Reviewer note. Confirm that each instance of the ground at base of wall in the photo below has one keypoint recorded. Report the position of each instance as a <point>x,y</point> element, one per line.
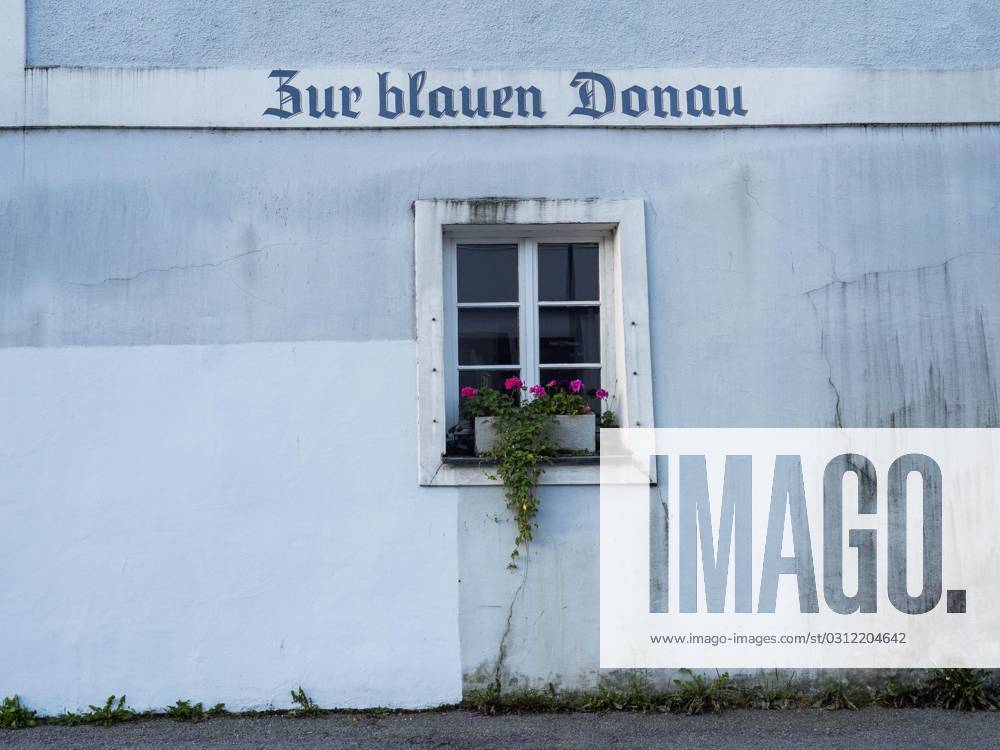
<point>870,728</point>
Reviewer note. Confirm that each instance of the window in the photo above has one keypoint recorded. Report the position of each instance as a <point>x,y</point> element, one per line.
<point>526,302</point>
<point>541,289</point>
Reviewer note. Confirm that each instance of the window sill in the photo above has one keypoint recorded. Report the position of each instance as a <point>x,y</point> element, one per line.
<point>557,462</point>
<point>472,471</point>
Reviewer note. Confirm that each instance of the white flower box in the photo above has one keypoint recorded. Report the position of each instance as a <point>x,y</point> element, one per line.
<point>575,432</point>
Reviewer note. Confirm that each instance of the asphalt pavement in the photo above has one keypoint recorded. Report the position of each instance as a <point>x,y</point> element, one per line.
<point>869,728</point>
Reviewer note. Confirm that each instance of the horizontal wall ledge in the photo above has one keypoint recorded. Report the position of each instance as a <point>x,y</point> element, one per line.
<point>302,97</point>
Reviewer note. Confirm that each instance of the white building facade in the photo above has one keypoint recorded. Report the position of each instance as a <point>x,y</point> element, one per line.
<point>234,315</point>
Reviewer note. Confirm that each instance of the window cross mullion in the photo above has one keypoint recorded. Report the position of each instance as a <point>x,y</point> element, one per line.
<point>529,310</point>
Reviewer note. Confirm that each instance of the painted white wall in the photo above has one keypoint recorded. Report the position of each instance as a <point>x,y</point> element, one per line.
<point>223,523</point>
<point>459,33</point>
<point>153,285</point>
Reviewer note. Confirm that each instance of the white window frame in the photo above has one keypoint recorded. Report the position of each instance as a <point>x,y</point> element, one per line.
<point>617,224</point>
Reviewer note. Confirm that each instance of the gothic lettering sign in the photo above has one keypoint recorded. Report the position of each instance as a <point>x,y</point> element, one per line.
<point>280,95</point>
<point>417,97</point>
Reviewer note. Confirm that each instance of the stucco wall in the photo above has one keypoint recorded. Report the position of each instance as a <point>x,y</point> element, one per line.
<point>208,391</point>
<point>211,522</point>
<point>460,33</point>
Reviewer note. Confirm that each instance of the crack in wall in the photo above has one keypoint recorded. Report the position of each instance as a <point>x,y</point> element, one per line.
<point>838,412</point>
<point>171,269</point>
<point>745,176</point>
<point>502,651</point>
<point>873,275</point>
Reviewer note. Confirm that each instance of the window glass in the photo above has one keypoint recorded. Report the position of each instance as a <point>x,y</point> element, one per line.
<point>569,335</point>
<point>479,378</point>
<point>562,308</point>
<point>568,272</point>
<point>487,336</point>
<point>487,273</point>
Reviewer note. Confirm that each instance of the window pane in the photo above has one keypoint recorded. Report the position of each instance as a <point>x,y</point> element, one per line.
<point>487,273</point>
<point>487,336</point>
<point>569,334</point>
<point>568,272</point>
<point>591,381</point>
<point>479,378</point>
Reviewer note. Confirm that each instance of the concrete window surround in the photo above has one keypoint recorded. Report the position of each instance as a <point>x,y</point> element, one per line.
<point>625,317</point>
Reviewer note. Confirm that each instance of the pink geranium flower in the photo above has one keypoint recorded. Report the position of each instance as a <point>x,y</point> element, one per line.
<point>468,392</point>
<point>513,383</point>
<point>552,384</point>
<point>576,385</point>
<point>536,390</point>
<point>601,393</point>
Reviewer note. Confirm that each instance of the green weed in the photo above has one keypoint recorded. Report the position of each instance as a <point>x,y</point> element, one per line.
<point>13,715</point>
<point>697,695</point>
<point>110,713</point>
<point>194,712</point>
<point>961,689</point>
<point>837,695</point>
<point>306,708</point>
<point>899,693</point>
<point>635,695</point>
